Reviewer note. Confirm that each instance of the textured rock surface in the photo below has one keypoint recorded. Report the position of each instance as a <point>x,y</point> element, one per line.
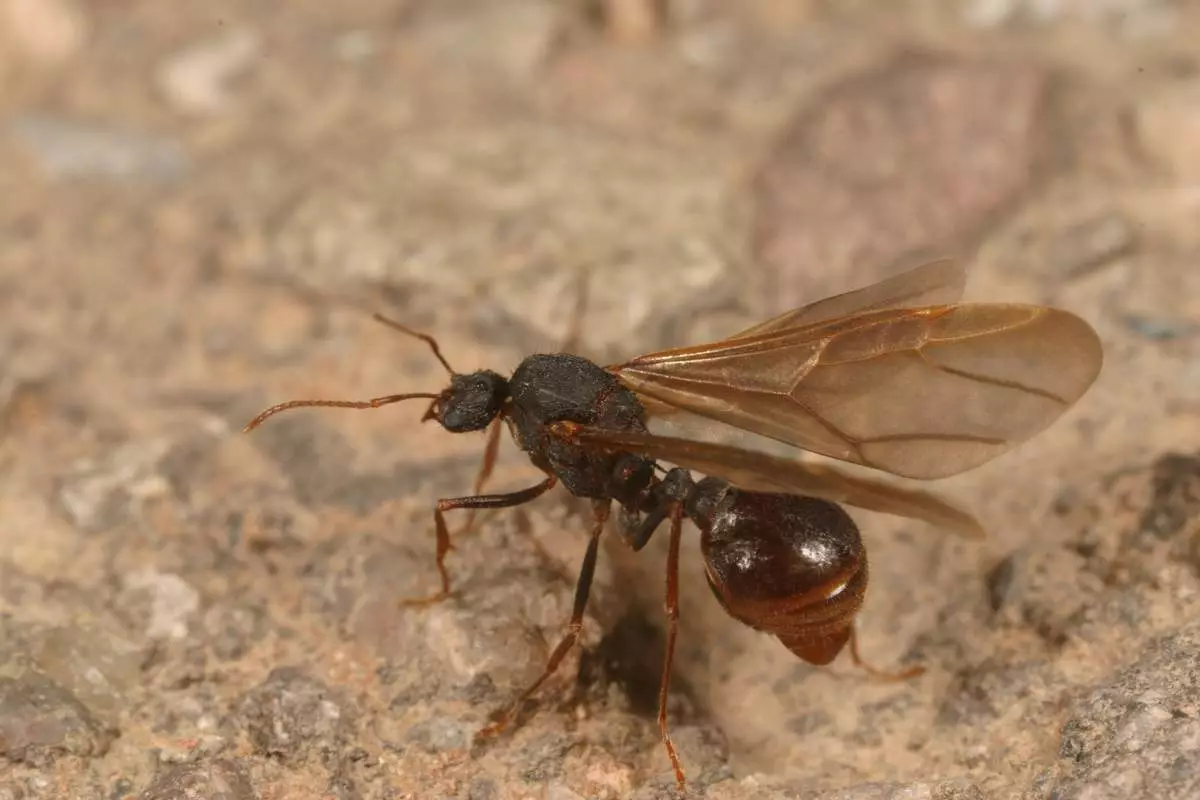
<point>202,204</point>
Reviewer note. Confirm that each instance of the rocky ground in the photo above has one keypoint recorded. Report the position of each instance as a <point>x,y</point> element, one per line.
<point>202,204</point>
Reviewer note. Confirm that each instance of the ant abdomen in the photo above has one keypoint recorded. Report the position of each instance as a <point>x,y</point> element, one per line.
<point>787,565</point>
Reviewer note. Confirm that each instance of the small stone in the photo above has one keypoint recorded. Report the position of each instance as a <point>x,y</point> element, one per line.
<point>197,80</point>
<point>223,779</point>
<point>40,719</point>
<point>80,150</point>
<point>291,715</point>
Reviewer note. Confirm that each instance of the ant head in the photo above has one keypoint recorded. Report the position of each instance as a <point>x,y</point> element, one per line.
<point>471,402</point>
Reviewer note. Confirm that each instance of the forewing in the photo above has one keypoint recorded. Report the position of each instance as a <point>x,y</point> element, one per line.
<point>755,471</point>
<point>933,283</point>
<point>923,393</point>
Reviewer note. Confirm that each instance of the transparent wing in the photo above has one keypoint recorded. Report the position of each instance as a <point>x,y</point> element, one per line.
<point>761,472</point>
<point>919,392</point>
<point>933,283</point>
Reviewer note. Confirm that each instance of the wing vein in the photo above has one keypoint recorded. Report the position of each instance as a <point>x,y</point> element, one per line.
<point>992,381</point>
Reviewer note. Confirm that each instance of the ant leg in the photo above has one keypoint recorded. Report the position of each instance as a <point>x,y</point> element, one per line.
<point>443,533</point>
<point>485,469</point>
<point>636,530</point>
<point>600,512</point>
<point>879,674</point>
<point>672,607</point>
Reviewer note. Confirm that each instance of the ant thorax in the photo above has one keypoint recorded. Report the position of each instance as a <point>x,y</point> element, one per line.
<point>568,388</point>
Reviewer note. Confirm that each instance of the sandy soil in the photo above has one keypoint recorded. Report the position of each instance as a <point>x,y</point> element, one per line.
<point>202,205</point>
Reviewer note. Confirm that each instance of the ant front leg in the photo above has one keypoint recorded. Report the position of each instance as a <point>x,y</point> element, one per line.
<point>879,674</point>
<point>473,502</point>
<point>485,469</point>
<point>600,512</point>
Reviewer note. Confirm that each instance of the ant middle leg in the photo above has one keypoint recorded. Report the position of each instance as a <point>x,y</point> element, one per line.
<point>874,672</point>
<point>600,512</point>
<point>444,545</point>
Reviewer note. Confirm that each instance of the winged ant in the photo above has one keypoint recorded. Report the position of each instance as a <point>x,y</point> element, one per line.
<point>900,377</point>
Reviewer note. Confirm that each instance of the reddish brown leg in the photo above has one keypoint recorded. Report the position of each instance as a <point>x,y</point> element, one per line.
<point>485,469</point>
<point>879,674</point>
<point>672,606</point>
<point>600,511</point>
<point>443,533</point>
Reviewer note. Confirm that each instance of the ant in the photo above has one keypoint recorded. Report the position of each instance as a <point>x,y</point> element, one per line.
<point>899,376</point>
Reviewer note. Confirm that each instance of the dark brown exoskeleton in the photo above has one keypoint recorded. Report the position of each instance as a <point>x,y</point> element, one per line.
<point>900,377</point>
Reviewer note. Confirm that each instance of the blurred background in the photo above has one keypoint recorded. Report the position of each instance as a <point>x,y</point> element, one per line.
<point>201,204</point>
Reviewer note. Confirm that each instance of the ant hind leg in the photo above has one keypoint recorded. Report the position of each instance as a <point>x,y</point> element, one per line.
<point>879,674</point>
<point>672,608</point>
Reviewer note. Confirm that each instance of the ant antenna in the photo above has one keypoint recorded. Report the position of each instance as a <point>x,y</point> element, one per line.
<point>424,337</point>
<point>372,403</point>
